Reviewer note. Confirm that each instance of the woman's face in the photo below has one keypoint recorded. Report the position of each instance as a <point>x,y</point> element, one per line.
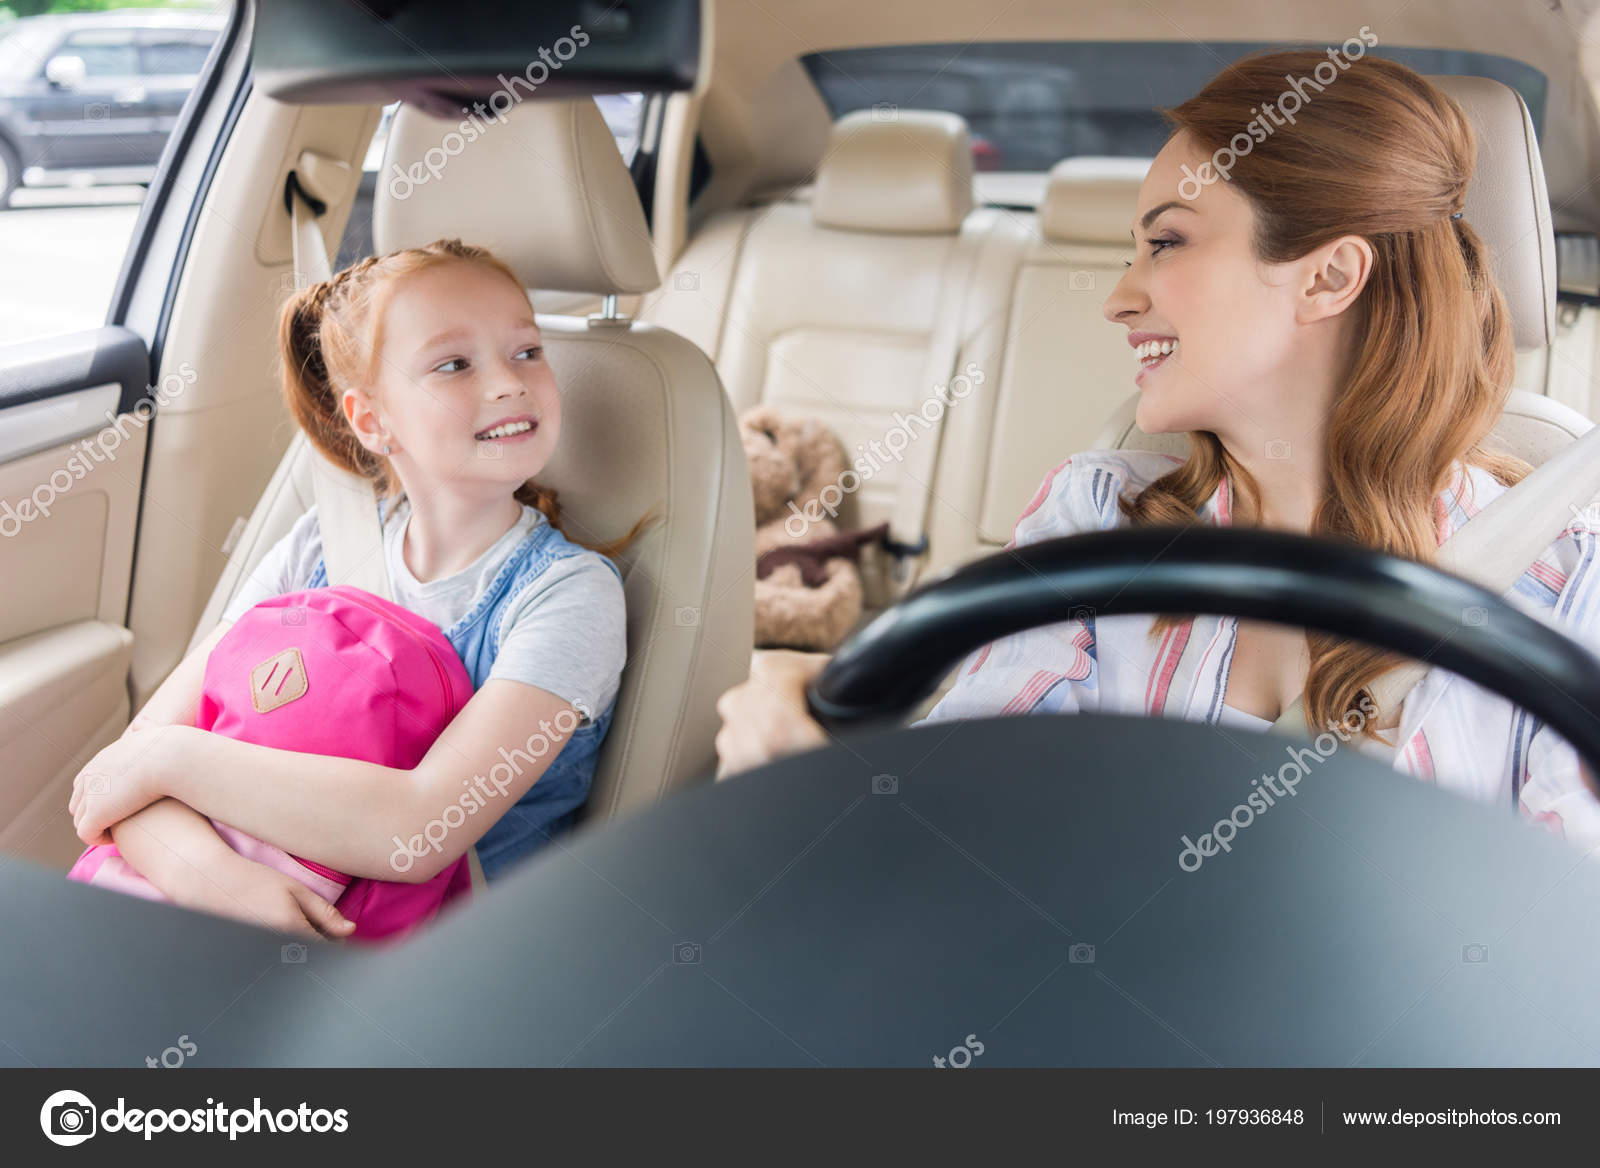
<point>459,352</point>
<point>1196,283</point>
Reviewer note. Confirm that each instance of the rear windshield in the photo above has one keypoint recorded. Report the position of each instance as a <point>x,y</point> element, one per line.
<point>1031,104</point>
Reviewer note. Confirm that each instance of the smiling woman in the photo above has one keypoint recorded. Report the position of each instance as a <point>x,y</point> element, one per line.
<point>1324,327</point>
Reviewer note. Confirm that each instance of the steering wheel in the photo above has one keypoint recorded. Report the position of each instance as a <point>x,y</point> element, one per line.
<point>1334,587</point>
<point>1090,889</point>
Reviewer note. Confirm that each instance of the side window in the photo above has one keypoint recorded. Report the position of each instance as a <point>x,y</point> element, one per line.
<point>108,53</point>
<point>169,55</point>
<point>90,99</point>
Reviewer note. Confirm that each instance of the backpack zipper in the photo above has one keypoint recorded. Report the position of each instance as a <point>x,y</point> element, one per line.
<point>433,658</point>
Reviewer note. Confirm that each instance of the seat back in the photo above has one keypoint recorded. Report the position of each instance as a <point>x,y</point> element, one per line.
<point>645,425</point>
<point>825,305</point>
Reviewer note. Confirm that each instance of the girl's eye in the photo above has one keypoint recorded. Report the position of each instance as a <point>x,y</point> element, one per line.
<point>445,366</point>
<point>536,350</point>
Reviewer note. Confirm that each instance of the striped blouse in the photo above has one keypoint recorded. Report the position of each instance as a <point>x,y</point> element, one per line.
<point>1452,733</point>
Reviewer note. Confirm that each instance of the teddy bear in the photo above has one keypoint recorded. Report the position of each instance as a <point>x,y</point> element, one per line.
<point>808,587</point>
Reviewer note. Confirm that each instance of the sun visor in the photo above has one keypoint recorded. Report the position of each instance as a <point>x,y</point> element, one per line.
<point>445,55</point>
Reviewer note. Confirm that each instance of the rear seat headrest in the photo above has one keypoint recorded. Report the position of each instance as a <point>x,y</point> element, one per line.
<point>1508,205</point>
<point>907,173</point>
<point>545,190</point>
<point>1091,199</point>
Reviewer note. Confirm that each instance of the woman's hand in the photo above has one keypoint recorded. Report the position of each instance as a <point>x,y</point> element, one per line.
<point>766,716</point>
<point>123,778</point>
<point>258,895</point>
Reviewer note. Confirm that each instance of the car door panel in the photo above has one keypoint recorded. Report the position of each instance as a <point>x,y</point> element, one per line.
<point>69,502</point>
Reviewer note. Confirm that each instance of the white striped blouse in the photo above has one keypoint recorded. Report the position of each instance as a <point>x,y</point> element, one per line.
<point>1451,733</point>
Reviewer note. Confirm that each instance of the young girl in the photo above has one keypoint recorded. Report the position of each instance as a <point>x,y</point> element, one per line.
<point>1324,326</point>
<point>423,371</point>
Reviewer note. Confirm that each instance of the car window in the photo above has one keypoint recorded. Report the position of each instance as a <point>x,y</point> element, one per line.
<point>1031,104</point>
<point>105,53</point>
<point>169,55</point>
<point>78,149</point>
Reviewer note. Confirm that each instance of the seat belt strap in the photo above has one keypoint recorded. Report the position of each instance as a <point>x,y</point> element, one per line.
<point>1494,549</point>
<point>347,506</point>
<point>907,541</point>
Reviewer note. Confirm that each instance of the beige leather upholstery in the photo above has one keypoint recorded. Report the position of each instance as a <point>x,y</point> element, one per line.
<point>1508,205</point>
<point>895,171</point>
<point>540,191</point>
<point>837,323</point>
<point>1086,199</point>
<point>1065,366</point>
<point>645,426</point>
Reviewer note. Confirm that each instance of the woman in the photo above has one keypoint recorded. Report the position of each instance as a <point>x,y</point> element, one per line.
<point>1322,323</point>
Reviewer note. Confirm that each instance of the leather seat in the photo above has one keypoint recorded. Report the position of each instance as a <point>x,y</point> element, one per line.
<point>828,305</point>
<point>645,425</point>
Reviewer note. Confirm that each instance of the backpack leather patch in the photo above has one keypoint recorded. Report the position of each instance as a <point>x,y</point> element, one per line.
<point>277,681</point>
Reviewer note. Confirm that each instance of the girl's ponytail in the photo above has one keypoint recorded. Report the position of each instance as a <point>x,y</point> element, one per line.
<point>308,389</point>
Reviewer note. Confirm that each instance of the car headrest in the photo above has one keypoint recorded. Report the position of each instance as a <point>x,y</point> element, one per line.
<point>900,171</point>
<point>1091,199</point>
<point>1508,206</point>
<point>543,186</point>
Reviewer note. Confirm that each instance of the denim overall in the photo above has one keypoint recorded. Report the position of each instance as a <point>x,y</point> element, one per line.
<point>552,803</point>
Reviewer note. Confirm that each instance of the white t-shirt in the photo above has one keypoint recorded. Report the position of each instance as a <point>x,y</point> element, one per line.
<point>565,633</point>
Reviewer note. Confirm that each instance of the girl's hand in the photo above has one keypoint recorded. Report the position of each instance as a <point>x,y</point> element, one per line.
<point>258,895</point>
<point>123,778</point>
<point>766,716</point>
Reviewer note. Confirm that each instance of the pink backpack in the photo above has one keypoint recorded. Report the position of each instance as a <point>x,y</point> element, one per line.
<point>336,671</point>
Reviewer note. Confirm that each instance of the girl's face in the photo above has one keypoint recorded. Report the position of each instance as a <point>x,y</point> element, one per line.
<point>1234,322</point>
<point>459,353</point>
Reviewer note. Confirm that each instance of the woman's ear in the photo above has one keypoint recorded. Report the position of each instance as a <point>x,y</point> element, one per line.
<point>1332,278</point>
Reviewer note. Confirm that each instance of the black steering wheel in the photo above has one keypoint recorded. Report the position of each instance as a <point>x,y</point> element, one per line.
<point>1334,587</point>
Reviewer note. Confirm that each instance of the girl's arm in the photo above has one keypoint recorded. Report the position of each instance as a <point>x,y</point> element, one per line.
<point>176,848</point>
<point>167,843</point>
<point>358,816</point>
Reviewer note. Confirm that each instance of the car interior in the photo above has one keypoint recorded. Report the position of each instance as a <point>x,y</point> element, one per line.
<point>770,250</point>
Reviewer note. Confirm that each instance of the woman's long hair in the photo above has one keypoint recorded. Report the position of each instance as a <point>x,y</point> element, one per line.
<point>328,340</point>
<point>1382,154</point>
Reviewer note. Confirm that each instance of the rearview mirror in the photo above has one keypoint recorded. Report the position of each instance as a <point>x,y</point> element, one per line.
<point>443,58</point>
<point>65,72</point>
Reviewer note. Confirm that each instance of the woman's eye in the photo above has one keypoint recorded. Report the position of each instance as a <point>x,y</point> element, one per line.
<point>453,365</point>
<point>536,350</point>
<point>1157,246</point>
